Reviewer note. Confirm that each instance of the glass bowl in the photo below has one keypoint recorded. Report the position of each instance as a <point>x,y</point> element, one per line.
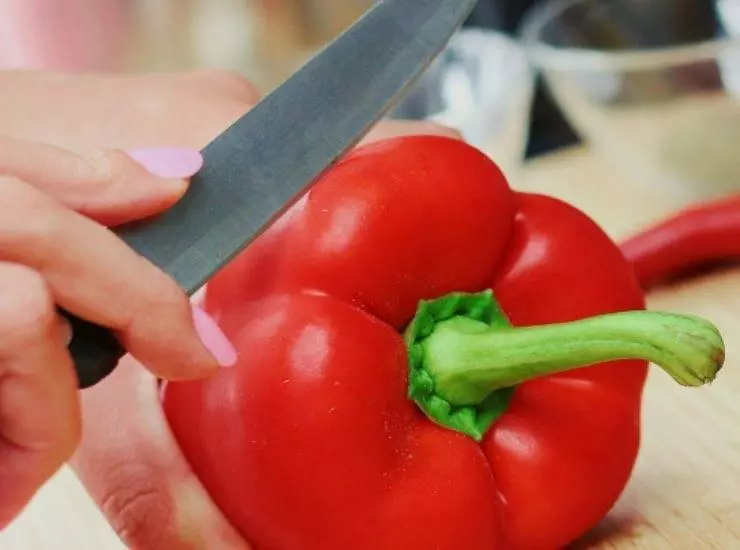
<point>651,84</point>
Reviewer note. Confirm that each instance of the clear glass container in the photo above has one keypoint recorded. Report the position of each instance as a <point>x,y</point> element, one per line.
<point>652,85</point>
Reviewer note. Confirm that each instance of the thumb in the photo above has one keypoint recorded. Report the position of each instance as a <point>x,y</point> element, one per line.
<point>132,467</point>
<point>110,186</point>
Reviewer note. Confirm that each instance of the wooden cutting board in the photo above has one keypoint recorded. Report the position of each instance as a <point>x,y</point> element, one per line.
<point>685,493</point>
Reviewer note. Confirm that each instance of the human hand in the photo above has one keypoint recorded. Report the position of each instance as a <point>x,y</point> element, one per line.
<point>56,250</point>
<point>128,459</point>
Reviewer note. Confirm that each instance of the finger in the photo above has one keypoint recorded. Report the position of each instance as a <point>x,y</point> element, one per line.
<point>93,274</point>
<point>39,410</point>
<point>109,186</point>
<point>391,128</point>
<point>132,467</point>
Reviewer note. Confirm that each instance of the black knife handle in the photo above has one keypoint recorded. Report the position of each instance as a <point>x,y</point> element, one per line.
<point>95,350</point>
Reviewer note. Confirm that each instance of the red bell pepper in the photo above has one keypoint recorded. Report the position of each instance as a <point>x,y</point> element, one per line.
<point>337,431</point>
<point>693,239</point>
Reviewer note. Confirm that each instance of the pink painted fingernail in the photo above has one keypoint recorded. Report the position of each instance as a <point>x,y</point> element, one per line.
<point>214,339</point>
<point>169,162</point>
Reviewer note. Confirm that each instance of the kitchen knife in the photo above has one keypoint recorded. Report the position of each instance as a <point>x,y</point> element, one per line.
<point>268,158</point>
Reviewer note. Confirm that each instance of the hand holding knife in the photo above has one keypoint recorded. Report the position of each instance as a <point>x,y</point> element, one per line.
<point>255,170</point>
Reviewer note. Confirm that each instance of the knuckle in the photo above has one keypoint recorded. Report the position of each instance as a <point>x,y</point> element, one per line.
<point>27,310</point>
<point>162,294</point>
<point>104,168</point>
<point>167,294</point>
<point>231,84</point>
<point>137,505</point>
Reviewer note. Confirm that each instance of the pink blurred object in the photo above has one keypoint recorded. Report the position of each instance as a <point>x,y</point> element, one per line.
<point>64,35</point>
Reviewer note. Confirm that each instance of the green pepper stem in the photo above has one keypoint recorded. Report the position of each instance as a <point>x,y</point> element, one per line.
<point>465,358</point>
<point>468,360</point>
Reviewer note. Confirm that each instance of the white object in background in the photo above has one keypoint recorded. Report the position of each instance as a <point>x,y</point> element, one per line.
<point>222,33</point>
<point>493,113</point>
<point>728,12</point>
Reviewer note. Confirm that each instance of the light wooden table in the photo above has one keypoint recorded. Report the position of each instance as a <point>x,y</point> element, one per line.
<point>685,493</point>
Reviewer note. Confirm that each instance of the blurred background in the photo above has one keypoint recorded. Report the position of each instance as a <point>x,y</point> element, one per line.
<point>650,84</point>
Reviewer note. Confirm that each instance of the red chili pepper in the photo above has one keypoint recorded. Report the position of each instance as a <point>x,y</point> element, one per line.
<point>348,425</point>
<point>688,241</point>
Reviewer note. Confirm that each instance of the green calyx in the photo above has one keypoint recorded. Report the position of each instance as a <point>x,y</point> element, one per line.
<point>473,420</point>
<point>465,358</point>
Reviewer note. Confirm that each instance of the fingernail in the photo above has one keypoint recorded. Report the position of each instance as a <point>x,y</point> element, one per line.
<point>169,162</point>
<point>214,339</point>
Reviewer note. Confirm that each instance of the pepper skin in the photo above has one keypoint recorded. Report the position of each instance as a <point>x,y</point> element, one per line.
<point>312,443</point>
<point>686,242</point>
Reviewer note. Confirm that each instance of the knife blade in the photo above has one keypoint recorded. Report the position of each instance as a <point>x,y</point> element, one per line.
<point>263,163</point>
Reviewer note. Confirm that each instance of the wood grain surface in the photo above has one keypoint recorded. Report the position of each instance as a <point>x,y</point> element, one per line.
<point>685,493</point>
